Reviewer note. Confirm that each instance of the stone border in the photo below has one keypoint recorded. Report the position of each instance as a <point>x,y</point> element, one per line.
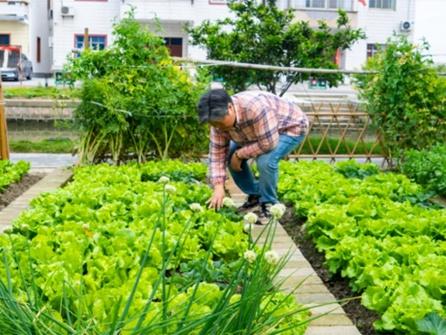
<point>49,183</point>
<point>312,291</point>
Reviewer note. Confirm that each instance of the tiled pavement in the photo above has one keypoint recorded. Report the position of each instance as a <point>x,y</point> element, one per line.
<point>331,318</point>
<point>48,183</point>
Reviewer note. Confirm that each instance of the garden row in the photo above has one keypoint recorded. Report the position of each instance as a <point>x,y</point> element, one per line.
<point>128,250</point>
<point>373,231</point>
<point>11,173</point>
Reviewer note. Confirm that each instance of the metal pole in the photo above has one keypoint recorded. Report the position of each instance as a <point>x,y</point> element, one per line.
<point>270,67</point>
<point>4,147</point>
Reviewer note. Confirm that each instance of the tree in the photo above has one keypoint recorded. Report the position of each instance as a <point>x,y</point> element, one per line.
<point>134,99</point>
<point>406,98</point>
<point>264,34</point>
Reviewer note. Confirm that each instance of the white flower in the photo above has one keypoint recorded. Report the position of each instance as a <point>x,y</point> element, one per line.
<point>277,210</point>
<point>196,207</point>
<point>250,218</point>
<point>170,188</point>
<point>228,202</point>
<point>163,180</point>
<point>247,227</point>
<point>271,257</point>
<point>250,256</point>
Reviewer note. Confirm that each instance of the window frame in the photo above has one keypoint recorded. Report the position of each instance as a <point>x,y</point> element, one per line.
<point>377,47</point>
<point>392,2</point>
<point>90,36</point>
<point>9,37</point>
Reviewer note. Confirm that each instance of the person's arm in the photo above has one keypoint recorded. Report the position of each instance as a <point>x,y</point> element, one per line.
<point>265,126</point>
<point>218,151</point>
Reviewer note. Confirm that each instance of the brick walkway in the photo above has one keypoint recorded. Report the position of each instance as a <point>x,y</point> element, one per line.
<point>312,291</point>
<point>48,183</point>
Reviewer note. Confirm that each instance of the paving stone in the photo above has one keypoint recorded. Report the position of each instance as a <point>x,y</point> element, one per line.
<point>292,272</point>
<point>293,282</point>
<point>318,298</point>
<point>332,320</point>
<point>334,308</point>
<point>328,330</point>
<point>311,288</point>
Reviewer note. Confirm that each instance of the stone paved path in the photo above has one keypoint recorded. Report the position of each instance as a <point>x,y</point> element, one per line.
<point>312,291</point>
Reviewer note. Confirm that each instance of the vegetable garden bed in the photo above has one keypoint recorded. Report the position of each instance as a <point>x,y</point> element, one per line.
<point>14,180</point>
<point>375,233</point>
<point>16,189</point>
<point>125,250</point>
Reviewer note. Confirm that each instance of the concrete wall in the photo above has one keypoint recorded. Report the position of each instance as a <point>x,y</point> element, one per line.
<point>379,25</point>
<point>430,24</point>
<point>39,27</point>
<point>19,32</point>
<point>98,16</point>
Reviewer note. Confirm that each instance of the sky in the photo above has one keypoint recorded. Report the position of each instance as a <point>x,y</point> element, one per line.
<point>430,22</point>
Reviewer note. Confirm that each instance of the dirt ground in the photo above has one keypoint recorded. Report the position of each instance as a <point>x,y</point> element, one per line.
<point>338,286</point>
<point>15,190</point>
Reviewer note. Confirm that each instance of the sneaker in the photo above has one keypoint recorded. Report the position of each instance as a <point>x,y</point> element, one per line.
<point>250,204</point>
<point>265,214</point>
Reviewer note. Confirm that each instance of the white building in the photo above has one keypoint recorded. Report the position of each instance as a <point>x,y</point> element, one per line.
<point>379,19</point>
<point>48,30</point>
<point>430,24</point>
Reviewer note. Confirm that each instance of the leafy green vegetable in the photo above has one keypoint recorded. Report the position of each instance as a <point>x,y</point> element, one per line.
<point>11,173</point>
<point>432,324</point>
<point>114,251</point>
<point>392,250</point>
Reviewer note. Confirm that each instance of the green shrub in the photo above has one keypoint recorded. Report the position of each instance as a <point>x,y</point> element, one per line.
<point>135,100</point>
<point>428,168</point>
<point>406,98</point>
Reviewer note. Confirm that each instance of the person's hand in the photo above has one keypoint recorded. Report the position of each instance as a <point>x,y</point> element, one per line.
<point>216,201</point>
<point>236,162</point>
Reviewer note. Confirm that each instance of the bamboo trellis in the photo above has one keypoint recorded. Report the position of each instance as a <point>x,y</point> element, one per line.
<point>345,132</point>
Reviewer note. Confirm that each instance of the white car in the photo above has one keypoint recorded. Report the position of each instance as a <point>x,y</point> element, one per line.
<point>14,64</point>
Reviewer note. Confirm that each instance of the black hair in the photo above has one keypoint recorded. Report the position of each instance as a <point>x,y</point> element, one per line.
<point>213,105</point>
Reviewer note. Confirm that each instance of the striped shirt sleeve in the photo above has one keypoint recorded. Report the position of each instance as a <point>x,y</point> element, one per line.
<point>265,127</point>
<point>218,151</point>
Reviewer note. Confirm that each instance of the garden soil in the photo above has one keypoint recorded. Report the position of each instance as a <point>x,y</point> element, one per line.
<point>338,286</point>
<point>15,190</point>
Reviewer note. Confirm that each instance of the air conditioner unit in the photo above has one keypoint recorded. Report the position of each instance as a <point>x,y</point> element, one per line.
<point>67,11</point>
<point>406,26</point>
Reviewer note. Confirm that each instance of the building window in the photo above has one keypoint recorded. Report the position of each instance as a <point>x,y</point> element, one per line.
<point>331,4</point>
<point>96,42</point>
<point>373,49</point>
<point>382,4</point>
<point>5,39</point>
<point>175,46</point>
<point>38,54</point>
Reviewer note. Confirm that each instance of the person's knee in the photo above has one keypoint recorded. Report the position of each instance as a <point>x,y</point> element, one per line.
<point>267,164</point>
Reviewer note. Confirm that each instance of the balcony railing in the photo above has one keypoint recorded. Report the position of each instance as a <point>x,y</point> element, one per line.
<point>14,10</point>
<point>347,5</point>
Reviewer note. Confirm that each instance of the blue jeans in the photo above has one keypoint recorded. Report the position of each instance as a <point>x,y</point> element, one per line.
<point>268,166</point>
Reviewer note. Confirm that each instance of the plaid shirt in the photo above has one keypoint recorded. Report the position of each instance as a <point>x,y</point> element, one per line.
<point>260,118</point>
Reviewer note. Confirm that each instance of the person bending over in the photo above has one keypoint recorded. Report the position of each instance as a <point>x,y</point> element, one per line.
<point>256,125</point>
